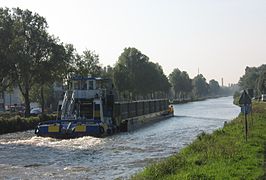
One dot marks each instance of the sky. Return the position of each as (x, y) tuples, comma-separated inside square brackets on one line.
[(218, 38)]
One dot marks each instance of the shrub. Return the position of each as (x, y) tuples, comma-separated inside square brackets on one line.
[(15, 123)]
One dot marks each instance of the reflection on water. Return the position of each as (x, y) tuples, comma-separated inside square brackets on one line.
[(25, 156)]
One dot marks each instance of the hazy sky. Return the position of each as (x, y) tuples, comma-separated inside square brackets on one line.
[(220, 37)]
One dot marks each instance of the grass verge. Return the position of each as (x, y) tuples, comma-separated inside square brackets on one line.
[(224, 154)]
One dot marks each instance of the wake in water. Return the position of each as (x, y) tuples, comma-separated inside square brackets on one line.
[(25, 156), (78, 143), (203, 118)]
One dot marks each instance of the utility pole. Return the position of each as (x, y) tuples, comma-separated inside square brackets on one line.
[(198, 70)]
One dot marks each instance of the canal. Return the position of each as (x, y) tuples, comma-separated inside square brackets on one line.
[(25, 156)]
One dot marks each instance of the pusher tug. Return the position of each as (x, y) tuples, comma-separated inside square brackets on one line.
[(89, 109)]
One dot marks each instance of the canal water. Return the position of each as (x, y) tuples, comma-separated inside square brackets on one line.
[(25, 156)]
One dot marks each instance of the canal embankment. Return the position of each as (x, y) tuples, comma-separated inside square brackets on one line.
[(14, 122), (193, 99), (224, 154)]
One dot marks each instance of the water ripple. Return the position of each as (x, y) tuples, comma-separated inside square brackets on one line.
[(25, 156)]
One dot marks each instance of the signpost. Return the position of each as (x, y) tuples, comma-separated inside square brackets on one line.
[(246, 104)]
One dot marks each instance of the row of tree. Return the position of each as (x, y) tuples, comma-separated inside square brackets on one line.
[(196, 87), (134, 75), (34, 60), (254, 78)]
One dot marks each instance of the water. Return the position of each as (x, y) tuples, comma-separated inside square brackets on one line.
[(25, 156)]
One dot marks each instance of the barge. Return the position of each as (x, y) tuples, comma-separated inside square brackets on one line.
[(89, 109)]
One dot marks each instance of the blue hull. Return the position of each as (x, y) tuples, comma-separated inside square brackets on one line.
[(65, 129), (69, 129)]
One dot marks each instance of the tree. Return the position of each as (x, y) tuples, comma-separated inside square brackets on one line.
[(42, 94), (28, 44), (176, 81), (253, 78), (214, 87), (156, 82), (262, 83), (200, 86), (249, 79), (186, 83), (181, 82), (107, 72), (135, 75), (5, 61), (87, 64), (53, 68), (121, 79), (128, 70)]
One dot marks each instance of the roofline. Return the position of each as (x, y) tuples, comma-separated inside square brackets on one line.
[(88, 78)]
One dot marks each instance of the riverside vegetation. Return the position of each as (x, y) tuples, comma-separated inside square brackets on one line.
[(14, 123), (224, 154)]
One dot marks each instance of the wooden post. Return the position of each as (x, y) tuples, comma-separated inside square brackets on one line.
[(246, 127)]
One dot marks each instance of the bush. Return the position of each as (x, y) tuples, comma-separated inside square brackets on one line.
[(16, 123)]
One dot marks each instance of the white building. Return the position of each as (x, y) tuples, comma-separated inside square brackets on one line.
[(2, 106), (12, 98)]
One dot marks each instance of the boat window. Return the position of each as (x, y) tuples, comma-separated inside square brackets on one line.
[(98, 85), (86, 110), (97, 110), (76, 85), (90, 85), (84, 85)]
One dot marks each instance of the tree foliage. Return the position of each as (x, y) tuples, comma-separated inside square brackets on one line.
[(200, 86), (27, 48), (5, 39), (134, 74), (107, 72), (181, 82), (262, 83), (87, 64), (31, 55), (254, 78), (214, 87), (175, 80), (34, 60)]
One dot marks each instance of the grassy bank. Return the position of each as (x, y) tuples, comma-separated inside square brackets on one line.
[(16, 123), (222, 155)]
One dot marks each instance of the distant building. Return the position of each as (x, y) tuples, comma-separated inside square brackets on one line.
[(12, 98), (58, 95), (2, 105)]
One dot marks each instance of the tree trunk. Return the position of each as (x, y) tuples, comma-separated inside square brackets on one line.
[(25, 91), (27, 103), (42, 99), (3, 97)]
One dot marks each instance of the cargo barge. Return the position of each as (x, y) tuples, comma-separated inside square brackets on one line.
[(89, 109)]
